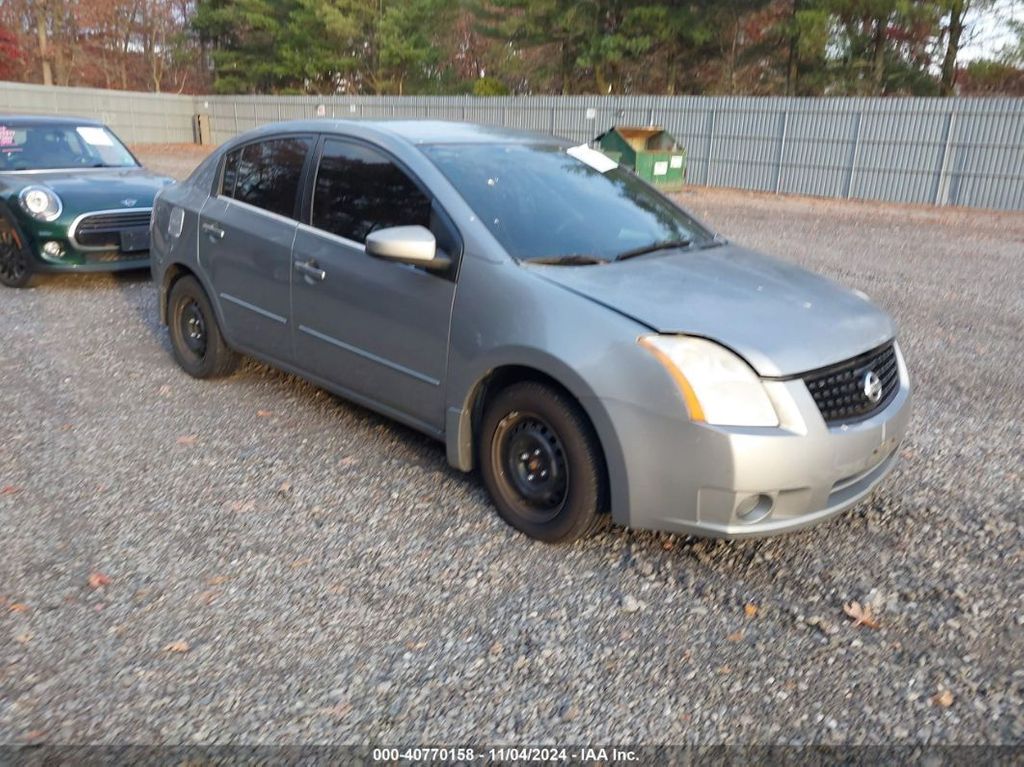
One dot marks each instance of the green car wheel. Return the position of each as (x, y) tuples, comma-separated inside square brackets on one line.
[(15, 262)]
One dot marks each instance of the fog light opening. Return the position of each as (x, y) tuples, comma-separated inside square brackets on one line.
[(53, 249), (754, 508)]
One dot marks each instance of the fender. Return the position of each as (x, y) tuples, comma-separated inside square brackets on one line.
[(463, 412)]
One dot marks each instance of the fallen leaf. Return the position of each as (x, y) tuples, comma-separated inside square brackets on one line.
[(207, 597), (181, 646), (862, 616), (347, 461), (188, 439), (340, 711), (300, 563), (263, 414), (735, 636), (19, 607), (750, 609), (216, 580), (242, 507), (497, 648), (98, 580), (23, 638), (10, 490), (943, 698), (35, 735), (414, 646), (286, 487), (164, 391)]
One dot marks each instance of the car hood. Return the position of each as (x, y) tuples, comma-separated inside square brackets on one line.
[(782, 319), (100, 188)]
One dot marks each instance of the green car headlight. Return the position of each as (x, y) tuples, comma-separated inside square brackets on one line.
[(41, 203)]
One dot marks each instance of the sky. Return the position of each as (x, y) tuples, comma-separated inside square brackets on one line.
[(989, 31)]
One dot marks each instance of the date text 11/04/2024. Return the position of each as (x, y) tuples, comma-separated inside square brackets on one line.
[(505, 754)]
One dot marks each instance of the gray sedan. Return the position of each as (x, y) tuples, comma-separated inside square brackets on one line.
[(561, 326)]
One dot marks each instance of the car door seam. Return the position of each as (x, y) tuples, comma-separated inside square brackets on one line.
[(370, 356), (253, 308)]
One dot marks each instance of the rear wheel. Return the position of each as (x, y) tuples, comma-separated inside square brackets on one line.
[(198, 345), (541, 463), (15, 261)]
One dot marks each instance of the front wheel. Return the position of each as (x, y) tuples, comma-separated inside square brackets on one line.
[(542, 464), (15, 261), (196, 340)]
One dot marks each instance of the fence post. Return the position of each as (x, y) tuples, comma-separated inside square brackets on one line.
[(858, 116), (942, 188), (711, 146), (131, 121), (782, 150)]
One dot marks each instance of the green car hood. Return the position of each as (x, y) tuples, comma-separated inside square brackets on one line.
[(92, 189)]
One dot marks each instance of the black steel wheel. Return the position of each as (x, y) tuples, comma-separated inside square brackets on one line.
[(15, 261), (196, 339), (541, 463)]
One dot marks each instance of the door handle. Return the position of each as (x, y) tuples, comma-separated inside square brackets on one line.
[(311, 270), (213, 230)]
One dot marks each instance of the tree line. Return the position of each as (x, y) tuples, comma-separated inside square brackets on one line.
[(490, 47)]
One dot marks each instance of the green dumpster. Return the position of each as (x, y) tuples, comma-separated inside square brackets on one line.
[(651, 152)]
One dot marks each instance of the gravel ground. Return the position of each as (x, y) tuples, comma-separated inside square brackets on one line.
[(255, 560)]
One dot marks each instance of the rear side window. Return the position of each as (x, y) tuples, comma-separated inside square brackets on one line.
[(266, 174), (359, 190)]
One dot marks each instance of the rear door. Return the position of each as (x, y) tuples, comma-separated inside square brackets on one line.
[(376, 328), (246, 230)]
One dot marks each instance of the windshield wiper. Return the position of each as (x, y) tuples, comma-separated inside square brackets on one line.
[(654, 247), (571, 259)]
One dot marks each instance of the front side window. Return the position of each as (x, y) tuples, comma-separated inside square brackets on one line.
[(266, 174), (540, 202), (46, 146), (359, 190)]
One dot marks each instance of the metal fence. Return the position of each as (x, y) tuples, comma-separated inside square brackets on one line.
[(138, 118), (933, 151)]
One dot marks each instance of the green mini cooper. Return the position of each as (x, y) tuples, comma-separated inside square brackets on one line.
[(72, 198)]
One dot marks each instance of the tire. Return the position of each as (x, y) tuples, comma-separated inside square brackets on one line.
[(15, 260), (196, 340), (542, 464)]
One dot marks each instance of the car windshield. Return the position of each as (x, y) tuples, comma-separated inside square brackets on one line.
[(46, 146), (542, 203)]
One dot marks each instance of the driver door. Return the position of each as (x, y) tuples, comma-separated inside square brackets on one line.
[(374, 328)]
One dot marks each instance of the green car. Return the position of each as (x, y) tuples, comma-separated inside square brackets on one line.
[(72, 199)]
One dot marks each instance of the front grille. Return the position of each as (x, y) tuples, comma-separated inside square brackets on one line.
[(103, 230), (838, 390)]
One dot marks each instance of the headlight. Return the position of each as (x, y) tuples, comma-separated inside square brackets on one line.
[(40, 203), (717, 386)]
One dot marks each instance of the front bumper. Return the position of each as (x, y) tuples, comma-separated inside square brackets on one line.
[(703, 480), (75, 260)]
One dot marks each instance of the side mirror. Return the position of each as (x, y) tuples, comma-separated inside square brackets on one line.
[(414, 245)]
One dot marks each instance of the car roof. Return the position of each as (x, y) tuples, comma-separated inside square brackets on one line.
[(416, 131), (45, 119)]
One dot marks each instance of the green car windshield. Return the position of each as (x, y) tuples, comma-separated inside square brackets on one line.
[(543, 203), (50, 146)]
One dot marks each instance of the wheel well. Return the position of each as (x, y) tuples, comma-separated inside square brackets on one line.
[(8, 221), (507, 375), (174, 273)]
